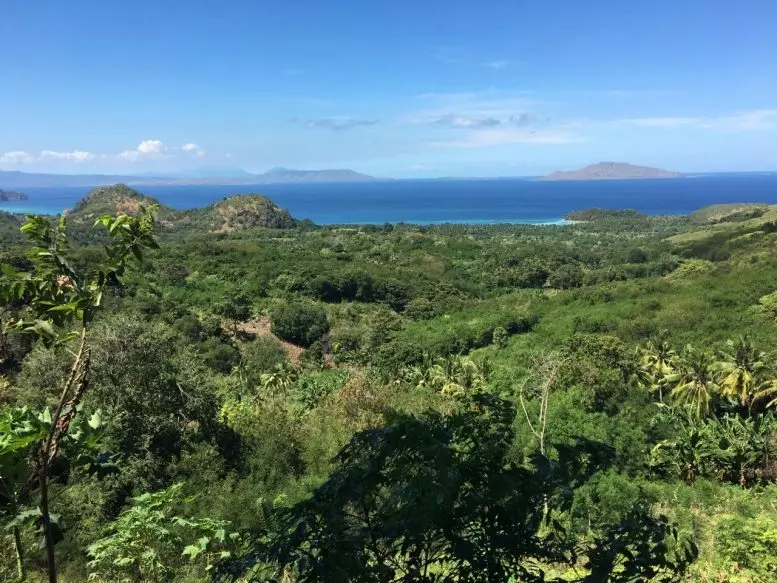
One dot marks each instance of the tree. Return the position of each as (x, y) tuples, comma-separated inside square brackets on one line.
[(657, 363), (235, 309), (566, 276), (300, 323), (278, 381), (691, 449), (46, 301), (539, 385), (694, 381), (742, 368), (438, 499)]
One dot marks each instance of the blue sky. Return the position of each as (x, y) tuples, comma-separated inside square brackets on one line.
[(392, 88)]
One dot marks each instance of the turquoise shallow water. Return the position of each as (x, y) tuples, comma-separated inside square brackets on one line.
[(452, 201)]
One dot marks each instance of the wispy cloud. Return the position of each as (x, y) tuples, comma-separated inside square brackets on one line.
[(15, 158), (459, 121), (74, 156), (456, 107), (146, 150), (193, 149), (339, 124), (662, 122), (156, 149), (745, 121), (500, 64), (502, 136), (450, 55), (453, 55), (20, 158)]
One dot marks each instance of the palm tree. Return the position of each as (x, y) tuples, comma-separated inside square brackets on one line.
[(694, 382), (767, 392), (282, 377), (742, 368), (457, 375), (656, 364)]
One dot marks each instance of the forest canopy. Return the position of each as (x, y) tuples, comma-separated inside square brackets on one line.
[(232, 394)]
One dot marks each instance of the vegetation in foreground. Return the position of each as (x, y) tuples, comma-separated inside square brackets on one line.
[(261, 399)]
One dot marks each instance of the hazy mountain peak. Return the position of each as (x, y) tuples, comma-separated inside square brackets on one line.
[(612, 171)]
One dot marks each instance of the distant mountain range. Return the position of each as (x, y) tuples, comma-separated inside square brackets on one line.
[(612, 171), (16, 179)]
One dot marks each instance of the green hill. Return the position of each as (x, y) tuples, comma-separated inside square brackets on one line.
[(237, 213), (115, 199), (9, 229), (727, 213)]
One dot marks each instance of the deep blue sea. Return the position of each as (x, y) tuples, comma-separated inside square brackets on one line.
[(509, 200)]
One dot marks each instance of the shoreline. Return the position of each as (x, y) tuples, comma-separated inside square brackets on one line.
[(560, 222)]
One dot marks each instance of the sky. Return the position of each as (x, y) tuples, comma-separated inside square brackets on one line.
[(394, 88)]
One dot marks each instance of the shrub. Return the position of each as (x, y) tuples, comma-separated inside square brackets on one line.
[(750, 543), (636, 255), (299, 323), (262, 355), (565, 277)]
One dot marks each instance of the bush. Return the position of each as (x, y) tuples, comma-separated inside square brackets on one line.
[(262, 355), (637, 255), (565, 277), (419, 309), (501, 337), (218, 355), (750, 543), (299, 323)]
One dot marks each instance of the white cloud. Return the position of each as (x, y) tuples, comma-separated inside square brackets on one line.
[(74, 156), (15, 158), (194, 149), (151, 147), (146, 149)]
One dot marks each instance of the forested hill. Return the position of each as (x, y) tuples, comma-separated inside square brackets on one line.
[(263, 400), (233, 213), (238, 212)]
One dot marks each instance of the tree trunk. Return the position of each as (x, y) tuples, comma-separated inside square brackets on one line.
[(51, 565), (17, 541)]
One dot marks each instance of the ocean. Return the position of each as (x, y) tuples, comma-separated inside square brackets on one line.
[(508, 200)]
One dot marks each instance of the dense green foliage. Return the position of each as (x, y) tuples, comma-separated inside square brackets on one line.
[(596, 214), (276, 401)]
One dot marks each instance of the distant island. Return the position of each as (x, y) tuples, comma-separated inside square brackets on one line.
[(9, 195), (612, 171), (18, 179)]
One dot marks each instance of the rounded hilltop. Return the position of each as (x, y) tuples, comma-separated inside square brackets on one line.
[(118, 198), (234, 213), (238, 212)]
